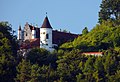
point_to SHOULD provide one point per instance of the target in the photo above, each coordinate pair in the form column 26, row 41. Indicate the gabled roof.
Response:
column 46, row 23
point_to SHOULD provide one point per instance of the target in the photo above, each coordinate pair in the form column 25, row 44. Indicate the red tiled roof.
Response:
column 30, row 44
column 93, row 53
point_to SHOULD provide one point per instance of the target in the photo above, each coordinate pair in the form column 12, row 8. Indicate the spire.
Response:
column 46, row 13
column 19, row 27
column 46, row 23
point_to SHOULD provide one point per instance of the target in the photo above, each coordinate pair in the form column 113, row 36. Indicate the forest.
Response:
column 66, row 63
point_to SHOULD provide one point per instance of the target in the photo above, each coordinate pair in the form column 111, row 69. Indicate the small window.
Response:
column 47, row 37
column 26, row 34
column 43, row 32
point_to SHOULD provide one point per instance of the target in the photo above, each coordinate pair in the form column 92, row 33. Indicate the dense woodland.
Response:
column 67, row 64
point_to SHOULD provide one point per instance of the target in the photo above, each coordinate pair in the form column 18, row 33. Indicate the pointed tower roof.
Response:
column 46, row 23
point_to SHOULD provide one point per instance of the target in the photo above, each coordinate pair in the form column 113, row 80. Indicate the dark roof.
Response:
column 62, row 37
column 46, row 23
column 31, row 27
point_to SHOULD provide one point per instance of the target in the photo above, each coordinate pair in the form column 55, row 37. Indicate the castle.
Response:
column 44, row 37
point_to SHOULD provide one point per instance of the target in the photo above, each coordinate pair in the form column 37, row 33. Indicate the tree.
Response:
column 8, row 53
column 89, row 69
column 38, row 56
column 99, row 70
column 68, row 65
column 80, row 78
column 7, row 32
column 85, row 30
column 35, row 73
column 24, row 71
column 110, row 9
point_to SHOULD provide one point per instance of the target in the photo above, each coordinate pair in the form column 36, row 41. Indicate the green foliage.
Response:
column 35, row 73
column 79, row 68
column 42, row 57
column 24, row 70
column 7, row 32
column 85, row 30
column 110, row 11
column 8, row 53
column 101, row 37
column 67, row 64
column 38, row 56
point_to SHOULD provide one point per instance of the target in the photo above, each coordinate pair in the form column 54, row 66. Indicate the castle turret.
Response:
column 46, row 35
column 33, row 33
column 19, row 33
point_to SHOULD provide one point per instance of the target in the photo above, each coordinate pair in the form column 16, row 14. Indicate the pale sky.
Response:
column 72, row 15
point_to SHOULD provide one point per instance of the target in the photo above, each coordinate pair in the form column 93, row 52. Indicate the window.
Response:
column 26, row 34
column 47, row 37
column 43, row 32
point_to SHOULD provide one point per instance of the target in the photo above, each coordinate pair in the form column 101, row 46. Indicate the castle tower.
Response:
column 46, row 35
column 33, row 33
column 19, row 33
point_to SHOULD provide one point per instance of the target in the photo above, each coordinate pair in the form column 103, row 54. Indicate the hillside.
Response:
column 101, row 37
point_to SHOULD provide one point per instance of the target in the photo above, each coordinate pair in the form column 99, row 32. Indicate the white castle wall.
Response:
column 46, row 38
column 19, row 34
column 33, row 34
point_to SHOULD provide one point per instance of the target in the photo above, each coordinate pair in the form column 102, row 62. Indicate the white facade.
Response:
column 19, row 34
column 33, row 33
column 46, row 38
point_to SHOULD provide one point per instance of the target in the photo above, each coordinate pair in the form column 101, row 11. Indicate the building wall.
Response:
column 27, row 33
column 33, row 34
column 46, row 38
column 19, row 35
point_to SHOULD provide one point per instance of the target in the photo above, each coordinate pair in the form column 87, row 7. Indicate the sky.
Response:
column 70, row 15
